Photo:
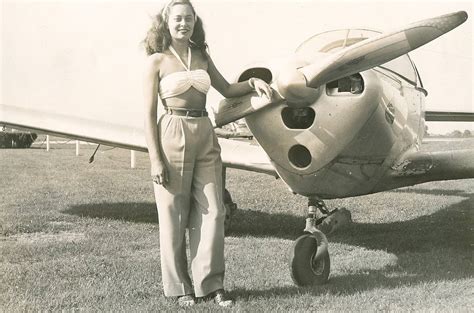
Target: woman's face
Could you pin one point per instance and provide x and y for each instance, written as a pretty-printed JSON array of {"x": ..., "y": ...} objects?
[{"x": 181, "y": 22}]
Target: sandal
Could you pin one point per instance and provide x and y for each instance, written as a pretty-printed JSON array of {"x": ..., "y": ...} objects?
[
  {"x": 186, "y": 300},
  {"x": 219, "y": 297}
]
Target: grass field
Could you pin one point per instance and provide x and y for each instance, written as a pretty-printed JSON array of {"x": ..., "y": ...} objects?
[{"x": 80, "y": 236}]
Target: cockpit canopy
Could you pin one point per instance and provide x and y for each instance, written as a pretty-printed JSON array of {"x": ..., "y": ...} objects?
[{"x": 332, "y": 41}]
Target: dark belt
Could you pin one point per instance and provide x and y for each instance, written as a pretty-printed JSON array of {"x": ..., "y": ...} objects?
[{"x": 187, "y": 113}]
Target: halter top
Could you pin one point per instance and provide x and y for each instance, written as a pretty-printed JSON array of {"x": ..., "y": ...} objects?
[{"x": 177, "y": 83}]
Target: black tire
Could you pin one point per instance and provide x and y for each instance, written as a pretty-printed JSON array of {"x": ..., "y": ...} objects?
[{"x": 304, "y": 271}]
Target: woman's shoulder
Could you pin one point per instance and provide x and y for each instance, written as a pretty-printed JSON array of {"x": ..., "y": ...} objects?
[
  {"x": 156, "y": 57},
  {"x": 154, "y": 60}
]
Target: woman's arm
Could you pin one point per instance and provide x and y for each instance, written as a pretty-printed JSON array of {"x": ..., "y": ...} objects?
[
  {"x": 150, "y": 92},
  {"x": 236, "y": 89}
]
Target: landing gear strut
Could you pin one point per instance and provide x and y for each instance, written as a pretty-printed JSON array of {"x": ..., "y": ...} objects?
[
  {"x": 229, "y": 205},
  {"x": 230, "y": 208},
  {"x": 309, "y": 256}
]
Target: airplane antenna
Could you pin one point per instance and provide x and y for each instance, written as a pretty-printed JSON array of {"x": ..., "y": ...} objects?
[{"x": 91, "y": 159}]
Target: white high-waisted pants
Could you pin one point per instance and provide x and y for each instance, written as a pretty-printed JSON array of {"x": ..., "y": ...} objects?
[{"x": 191, "y": 199}]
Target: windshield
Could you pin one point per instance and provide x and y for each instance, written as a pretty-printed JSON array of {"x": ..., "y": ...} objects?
[{"x": 332, "y": 41}]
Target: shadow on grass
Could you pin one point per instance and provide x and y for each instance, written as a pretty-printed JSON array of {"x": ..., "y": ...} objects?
[
  {"x": 262, "y": 224},
  {"x": 445, "y": 229},
  {"x": 415, "y": 243},
  {"x": 131, "y": 212},
  {"x": 430, "y": 248}
]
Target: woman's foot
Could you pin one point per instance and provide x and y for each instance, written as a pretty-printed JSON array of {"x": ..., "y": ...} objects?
[
  {"x": 219, "y": 297},
  {"x": 186, "y": 300}
]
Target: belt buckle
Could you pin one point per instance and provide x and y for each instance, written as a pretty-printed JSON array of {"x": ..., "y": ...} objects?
[{"x": 193, "y": 113}]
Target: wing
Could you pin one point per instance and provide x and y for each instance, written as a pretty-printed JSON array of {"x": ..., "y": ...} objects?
[
  {"x": 443, "y": 116},
  {"x": 245, "y": 156},
  {"x": 235, "y": 154},
  {"x": 421, "y": 166},
  {"x": 68, "y": 126}
]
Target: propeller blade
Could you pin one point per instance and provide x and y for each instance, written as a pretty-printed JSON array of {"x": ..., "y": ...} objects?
[
  {"x": 380, "y": 49},
  {"x": 232, "y": 109}
]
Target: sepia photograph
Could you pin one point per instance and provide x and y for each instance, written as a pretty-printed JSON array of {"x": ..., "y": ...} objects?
[{"x": 253, "y": 156}]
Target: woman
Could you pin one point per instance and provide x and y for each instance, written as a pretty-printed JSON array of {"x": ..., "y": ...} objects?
[{"x": 184, "y": 153}]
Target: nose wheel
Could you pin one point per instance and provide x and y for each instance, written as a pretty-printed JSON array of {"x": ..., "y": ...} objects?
[
  {"x": 308, "y": 267},
  {"x": 309, "y": 256}
]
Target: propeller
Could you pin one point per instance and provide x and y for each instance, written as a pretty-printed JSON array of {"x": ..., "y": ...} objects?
[{"x": 297, "y": 84}]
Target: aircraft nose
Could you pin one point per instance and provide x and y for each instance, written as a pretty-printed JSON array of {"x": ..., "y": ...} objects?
[{"x": 302, "y": 141}]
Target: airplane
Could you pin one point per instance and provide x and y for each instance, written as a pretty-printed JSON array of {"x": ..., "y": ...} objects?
[{"x": 347, "y": 119}]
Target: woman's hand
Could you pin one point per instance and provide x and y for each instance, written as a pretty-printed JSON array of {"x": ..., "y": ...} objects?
[
  {"x": 159, "y": 173},
  {"x": 261, "y": 87}
]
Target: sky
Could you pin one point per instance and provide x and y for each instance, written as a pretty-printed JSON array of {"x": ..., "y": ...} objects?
[{"x": 90, "y": 63}]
